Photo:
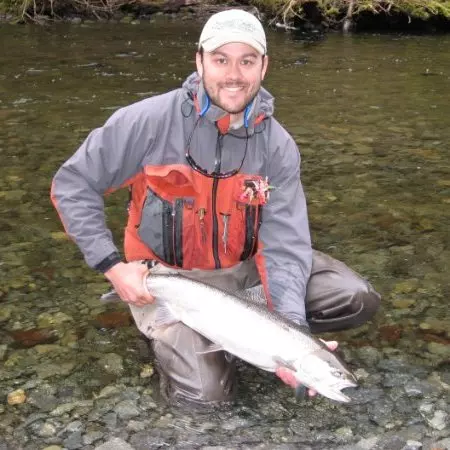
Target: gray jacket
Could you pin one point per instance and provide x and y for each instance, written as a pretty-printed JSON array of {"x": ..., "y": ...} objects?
[{"x": 155, "y": 131}]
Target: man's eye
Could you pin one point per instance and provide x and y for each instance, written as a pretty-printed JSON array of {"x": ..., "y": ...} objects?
[
  {"x": 221, "y": 60},
  {"x": 247, "y": 62}
]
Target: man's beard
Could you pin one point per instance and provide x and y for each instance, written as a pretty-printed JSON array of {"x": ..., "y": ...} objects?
[{"x": 215, "y": 99}]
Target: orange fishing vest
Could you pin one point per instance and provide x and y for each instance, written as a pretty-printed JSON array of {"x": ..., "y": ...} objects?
[{"x": 187, "y": 220}]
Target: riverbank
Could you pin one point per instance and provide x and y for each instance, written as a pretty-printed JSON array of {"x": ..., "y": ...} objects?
[
  {"x": 94, "y": 388},
  {"x": 428, "y": 16}
]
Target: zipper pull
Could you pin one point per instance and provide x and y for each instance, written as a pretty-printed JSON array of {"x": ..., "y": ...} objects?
[
  {"x": 201, "y": 216},
  {"x": 225, "y": 218}
]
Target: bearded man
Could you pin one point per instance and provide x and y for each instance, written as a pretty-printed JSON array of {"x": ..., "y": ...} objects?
[{"x": 215, "y": 192}]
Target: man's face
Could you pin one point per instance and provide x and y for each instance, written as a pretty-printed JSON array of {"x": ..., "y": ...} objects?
[{"x": 232, "y": 75}]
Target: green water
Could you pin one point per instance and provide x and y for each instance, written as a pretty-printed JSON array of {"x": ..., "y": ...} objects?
[{"x": 370, "y": 113}]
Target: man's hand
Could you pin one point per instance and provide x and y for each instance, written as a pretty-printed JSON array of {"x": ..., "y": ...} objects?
[
  {"x": 288, "y": 377},
  {"x": 128, "y": 281}
]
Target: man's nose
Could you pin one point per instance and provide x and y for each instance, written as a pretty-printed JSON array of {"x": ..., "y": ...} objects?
[{"x": 234, "y": 70}]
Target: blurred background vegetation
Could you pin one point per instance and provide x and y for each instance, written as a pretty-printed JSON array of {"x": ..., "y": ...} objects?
[{"x": 284, "y": 13}]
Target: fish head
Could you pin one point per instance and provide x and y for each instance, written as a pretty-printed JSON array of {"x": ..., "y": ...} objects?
[{"x": 324, "y": 372}]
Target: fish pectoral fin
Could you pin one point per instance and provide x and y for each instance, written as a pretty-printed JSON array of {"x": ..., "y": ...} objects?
[
  {"x": 110, "y": 296},
  {"x": 283, "y": 363},
  {"x": 211, "y": 349}
]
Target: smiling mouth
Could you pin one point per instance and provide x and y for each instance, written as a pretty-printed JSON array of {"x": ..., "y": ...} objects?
[{"x": 233, "y": 88}]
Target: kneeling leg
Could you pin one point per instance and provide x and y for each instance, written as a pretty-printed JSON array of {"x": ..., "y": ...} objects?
[{"x": 337, "y": 298}]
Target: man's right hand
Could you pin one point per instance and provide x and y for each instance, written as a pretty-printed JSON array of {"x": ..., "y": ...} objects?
[{"x": 128, "y": 281}]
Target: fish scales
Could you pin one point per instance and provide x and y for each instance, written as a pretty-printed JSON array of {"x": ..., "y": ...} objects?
[{"x": 249, "y": 331}]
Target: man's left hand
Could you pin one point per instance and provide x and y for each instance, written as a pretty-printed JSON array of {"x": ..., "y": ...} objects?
[{"x": 288, "y": 375}]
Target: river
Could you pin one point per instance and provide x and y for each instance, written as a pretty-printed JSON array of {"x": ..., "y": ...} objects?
[{"x": 371, "y": 115}]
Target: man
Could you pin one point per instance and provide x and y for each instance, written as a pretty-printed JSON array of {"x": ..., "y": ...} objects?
[{"x": 215, "y": 192}]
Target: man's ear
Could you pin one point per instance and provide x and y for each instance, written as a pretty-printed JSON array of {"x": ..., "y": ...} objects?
[
  {"x": 264, "y": 67},
  {"x": 199, "y": 63}
]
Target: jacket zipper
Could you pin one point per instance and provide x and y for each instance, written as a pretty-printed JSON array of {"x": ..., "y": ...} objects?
[{"x": 215, "y": 233}]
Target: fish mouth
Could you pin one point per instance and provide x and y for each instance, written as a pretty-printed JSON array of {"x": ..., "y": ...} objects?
[{"x": 334, "y": 392}]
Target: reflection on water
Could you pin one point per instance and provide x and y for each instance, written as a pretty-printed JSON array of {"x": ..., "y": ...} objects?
[{"x": 370, "y": 113}]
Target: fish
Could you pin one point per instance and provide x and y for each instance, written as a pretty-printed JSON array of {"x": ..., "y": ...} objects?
[{"x": 248, "y": 330}]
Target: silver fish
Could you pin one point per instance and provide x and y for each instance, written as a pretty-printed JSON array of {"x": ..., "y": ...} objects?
[{"x": 249, "y": 331}]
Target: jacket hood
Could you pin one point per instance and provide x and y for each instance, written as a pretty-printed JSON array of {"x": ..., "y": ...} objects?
[{"x": 262, "y": 105}]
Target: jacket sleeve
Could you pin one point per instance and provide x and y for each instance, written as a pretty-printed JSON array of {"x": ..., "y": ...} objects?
[
  {"x": 107, "y": 159},
  {"x": 285, "y": 236}
]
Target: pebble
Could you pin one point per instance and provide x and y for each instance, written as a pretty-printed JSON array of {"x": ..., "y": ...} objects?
[
  {"x": 16, "y": 397},
  {"x": 439, "y": 421},
  {"x": 115, "y": 444}
]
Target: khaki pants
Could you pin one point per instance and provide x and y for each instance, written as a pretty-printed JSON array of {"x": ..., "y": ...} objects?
[{"x": 337, "y": 298}]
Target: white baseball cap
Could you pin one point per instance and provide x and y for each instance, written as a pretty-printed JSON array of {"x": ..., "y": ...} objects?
[{"x": 233, "y": 25}]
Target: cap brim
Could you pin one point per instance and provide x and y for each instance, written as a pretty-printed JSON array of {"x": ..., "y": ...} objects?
[{"x": 217, "y": 41}]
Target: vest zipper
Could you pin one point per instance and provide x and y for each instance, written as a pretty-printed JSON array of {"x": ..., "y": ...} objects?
[
  {"x": 168, "y": 233},
  {"x": 215, "y": 234},
  {"x": 249, "y": 231},
  {"x": 178, "y": 232}
]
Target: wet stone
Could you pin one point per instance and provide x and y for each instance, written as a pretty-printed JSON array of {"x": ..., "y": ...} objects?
[
  {"x": 439, "y": 421},
  {"x": 110, "y": 420},
  {"x": 413, "y": 445},
  {"x": 112, "y": 363},
  {"x": 417, "y": 388},
  {"x": 145, "y": 441},
  {"x": 115, "y": 444},
  {"x": 47, "y": 370},
  {"x": 395, "y": 380},
  {"x": 127, "y": 409},
  {"x": 73, "y": 441},
  {"x": 43, "y": 401},
  {"x": 439, "y": 349},
  {"x": 135, "y": 425},
  {"x": 380, "y": 412},
  {"x": 366, "y": 395},
  {"x": 390, "y": 443},
  {"x": 370, "y": 356},
  {"x": 76, "y": 425},
  {"x": 43, "y": 429},
  {"x": 92, "y": 436}
]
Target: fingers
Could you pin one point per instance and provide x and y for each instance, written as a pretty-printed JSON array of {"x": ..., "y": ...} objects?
[
  {"x": 287, "y": 376},
  {"x": 128, "y": 280},
  {"x": 332, "y": 345}
]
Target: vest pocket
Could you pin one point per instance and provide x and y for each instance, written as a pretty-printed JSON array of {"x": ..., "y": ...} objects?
[
  {"x": 252, "y": 224},
  {"x": 161, "y": 228}
]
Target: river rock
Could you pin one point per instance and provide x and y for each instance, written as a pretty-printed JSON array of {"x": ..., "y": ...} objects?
[
  {"x": 439, "y": 349},
  {"x": 115, "y": 444},
  {"x": 112, "y": 363},
  {"x": 127, "y": 409},
  {"x": 46, "y": 430},
  {"x": 439, "y": 421},
  {"x": 47, "y": 370},
  {"x": 92, "y": 436},
  {"x": 5, "y": 313},
  {"x": 3, "y": 351},
  {"x": 73, "y": 441}
]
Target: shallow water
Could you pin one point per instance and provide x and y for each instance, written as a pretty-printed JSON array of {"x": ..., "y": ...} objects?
[{"x": 370, "y": 114}]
